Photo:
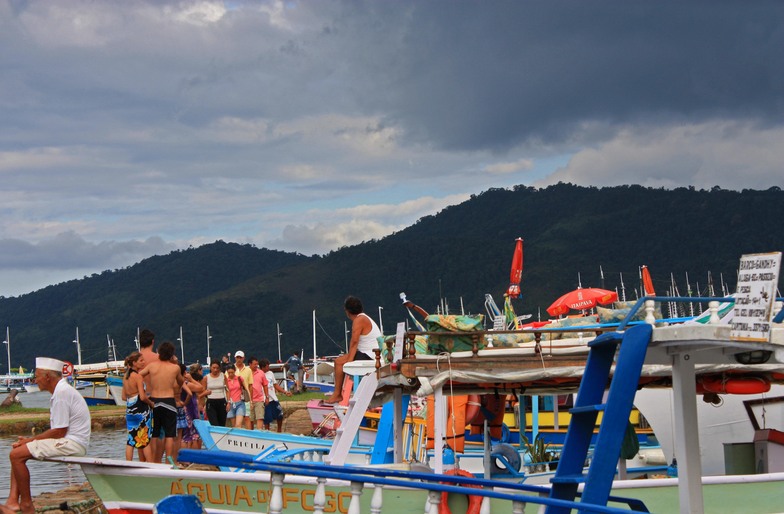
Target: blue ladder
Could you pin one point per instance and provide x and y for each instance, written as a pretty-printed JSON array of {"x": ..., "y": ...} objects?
[{"x": 598, "y": 480}]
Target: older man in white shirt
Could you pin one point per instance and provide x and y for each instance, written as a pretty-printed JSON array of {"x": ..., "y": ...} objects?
[{"x": 69, "y": 433}]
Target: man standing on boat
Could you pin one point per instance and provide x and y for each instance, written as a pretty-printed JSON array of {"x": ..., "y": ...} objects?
[
  {"x": 364, "y": 338},
  {"x": 68, "y": 435},
  {"x": 297, "y": 371}
]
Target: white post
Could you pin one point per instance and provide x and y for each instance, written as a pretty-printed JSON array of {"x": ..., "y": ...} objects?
[
  {"x": 208, "y": 345},
  {"x": 182, "y": 347},
  {"x": 78, "y": 347},
  {"x": 315, "y": 366},
  {"x": 277, "y": 327},
  {"x": 439, "y": 427},
  {"x": 7, "y": 342},
  {"x": 686, "y": 434}
]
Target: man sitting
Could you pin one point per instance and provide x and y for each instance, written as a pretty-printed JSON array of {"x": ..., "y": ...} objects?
[{"x": 68, "y": 435}]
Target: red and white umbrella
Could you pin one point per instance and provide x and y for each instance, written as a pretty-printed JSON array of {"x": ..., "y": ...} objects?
[{"x": 581, "y": 299}]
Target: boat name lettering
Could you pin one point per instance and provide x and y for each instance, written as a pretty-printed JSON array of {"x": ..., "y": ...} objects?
[
  {"x": 244, "y": 443},
  {"x": 242, "y": 495}
]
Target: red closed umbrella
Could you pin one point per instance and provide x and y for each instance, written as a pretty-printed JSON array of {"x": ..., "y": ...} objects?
[
  {"x": 581, "y": 299},
  {"x": 647, "y": 282},
  {"x": 517, "y": 271}
]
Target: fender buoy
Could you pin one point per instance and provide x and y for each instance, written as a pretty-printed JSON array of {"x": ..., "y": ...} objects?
[
  {"x": 736, "y": 385},
  {"x": 474, "y": 501},
  {"x": 68, "y": 369},
  {"x": 508, "y": 452}
]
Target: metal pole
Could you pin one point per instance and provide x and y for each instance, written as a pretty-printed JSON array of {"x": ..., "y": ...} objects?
[
  {"x": 8, "y": 344},
  {"x": 280, "y": 357},
  {"x": 315, "y": 366},
  {"x": 78, "y": 347},
  {"x": 208, "y": 345},
  {"x": 380, "y": 319},
  {"x": 182, "y": 347}
]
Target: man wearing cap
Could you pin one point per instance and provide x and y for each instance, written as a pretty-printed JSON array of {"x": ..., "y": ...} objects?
[
  {"x": 246, "y": 377},
  {"x": 68, "y": 435}
]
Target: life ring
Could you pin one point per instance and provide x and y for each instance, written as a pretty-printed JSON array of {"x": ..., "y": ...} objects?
[
  {"x": 474, "y": 501},
  {"x": 736, "y": 385},
  {"x": 68, "y": 369}
]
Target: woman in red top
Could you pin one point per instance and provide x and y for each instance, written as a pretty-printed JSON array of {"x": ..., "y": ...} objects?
[{"x": 235, "y": 408}]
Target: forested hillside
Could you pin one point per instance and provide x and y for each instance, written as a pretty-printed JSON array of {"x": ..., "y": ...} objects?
[{"x": 459, "y": 254}]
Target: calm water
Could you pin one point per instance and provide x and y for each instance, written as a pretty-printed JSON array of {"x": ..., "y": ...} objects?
[{"x": 49, "y": 476}]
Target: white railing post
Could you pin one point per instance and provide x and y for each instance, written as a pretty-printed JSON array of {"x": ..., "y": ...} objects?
[
  {"x": 433, "y": 502},
  {"x": 356, "y": 493},
  {"x": 714, "y": 312},
  {"x": 649, "y": 307},
  {"x": 485, "y": 507},
  {"x": 276, "y": 500},
  {"x": 377, "y": 501},
  {"x": 320, "y": 497}
]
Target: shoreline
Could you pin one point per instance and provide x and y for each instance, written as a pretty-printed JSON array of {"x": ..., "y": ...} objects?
[{"x": 113, "y": 418}]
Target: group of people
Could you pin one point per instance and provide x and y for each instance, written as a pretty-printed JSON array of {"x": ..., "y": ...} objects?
[{"x": 163, "y": 398}]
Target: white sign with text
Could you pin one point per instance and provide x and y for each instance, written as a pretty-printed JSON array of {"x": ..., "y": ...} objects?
[{"x": 758, "y": 276}]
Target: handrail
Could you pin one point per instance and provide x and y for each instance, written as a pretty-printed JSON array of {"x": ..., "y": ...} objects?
[
  {"x": 405, "y": 479},
  {"x": 676, "y": 299}
]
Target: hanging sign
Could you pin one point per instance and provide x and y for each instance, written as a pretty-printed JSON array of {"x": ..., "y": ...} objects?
[{"x": 758, "y": 276}]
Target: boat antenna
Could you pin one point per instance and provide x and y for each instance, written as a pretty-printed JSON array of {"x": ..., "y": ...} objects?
[
  {"x": 688, "y": 291},
  {"x": 601, "y": 275},
  {"x": 724, "y": 291},
  {"x": 711, "y": 291},
  {"x": 623, "y": 289}
]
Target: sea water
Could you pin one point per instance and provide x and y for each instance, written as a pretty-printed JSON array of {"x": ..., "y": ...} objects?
[{"x": 51, "y": 476}]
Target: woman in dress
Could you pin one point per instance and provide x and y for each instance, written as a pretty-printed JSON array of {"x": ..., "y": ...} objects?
[
  {"x": 215, "y": 384},
  {"x": 138, "y": 409},
  {"x": 235, "y": 409}
]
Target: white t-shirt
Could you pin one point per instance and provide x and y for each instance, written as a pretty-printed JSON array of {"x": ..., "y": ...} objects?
[
  {"x": 69, "y": 410},
  {"x": 367, "y": 342},
  {"x": 272, "y": 394}
]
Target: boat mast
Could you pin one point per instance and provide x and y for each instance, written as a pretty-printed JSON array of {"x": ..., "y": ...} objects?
[
  {"x": 315, "y": 356},
  {"x": 277, "y": 327},
  {"x": 182, "y": 346},
  {"x": 208, "y": 345},
  {"x": 7, "y": 342},
  {"x": 78, "y": 347}
]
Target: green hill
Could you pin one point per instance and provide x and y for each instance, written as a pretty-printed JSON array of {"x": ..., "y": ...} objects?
[{"x": 459, "y": 254}]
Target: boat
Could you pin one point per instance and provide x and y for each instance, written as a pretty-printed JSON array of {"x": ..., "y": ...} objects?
[
  {"x": 14, "y": 382},
  {"x": 648, "y": 355}
]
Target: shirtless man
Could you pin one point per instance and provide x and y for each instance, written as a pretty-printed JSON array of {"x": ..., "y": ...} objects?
[
  {"x": 165, "y": 384},
  {"x": 364, "y": 332},
  {"x": 146, "y": 343}
]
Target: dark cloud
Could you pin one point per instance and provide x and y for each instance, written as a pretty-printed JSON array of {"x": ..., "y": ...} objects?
[{"x": 477, "y": 75}]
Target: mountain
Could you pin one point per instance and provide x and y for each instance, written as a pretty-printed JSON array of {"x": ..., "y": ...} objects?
[{"x": 459, "y": 254}]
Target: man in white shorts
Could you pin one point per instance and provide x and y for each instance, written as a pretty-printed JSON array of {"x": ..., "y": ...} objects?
[{"x": 69, "y": 433}]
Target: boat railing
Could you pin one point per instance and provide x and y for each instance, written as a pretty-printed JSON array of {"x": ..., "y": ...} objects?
[{"x": 377, "y": 479}]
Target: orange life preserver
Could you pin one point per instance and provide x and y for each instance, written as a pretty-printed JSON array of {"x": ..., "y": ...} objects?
[
  {"x": 490, "y": 407},
  {"x": 455, "y": 432},
  {"x": 474, "y": 501},
  {"x": 736, "y": 385}
]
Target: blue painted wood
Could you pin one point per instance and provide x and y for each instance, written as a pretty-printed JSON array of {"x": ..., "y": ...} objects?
[
  {"x": 381, "y": 453},
  {"x": 634, "y": 345}
]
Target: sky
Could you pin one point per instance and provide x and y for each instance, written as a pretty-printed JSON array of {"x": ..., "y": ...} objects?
[{"x": 130, "y": 129}]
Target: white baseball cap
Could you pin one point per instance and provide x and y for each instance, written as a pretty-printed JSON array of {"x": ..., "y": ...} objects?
[
  {"x": 47, "y": 363},
  {"x": 239, "y": 353}
]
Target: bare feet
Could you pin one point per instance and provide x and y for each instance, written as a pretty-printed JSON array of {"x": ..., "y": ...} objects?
[
  {"x": 13, "y": 509},
  {"x": 334, "y": 399}
]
